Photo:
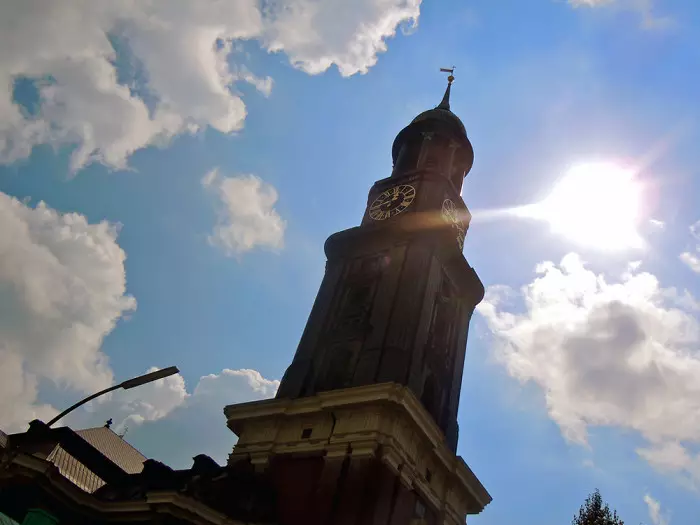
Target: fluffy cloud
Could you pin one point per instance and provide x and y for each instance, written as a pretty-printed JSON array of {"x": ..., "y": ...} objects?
[
  {"x": 62, "y": 289},
  {"x": 156, "y": 400},
  {"x": 149, "y": 402},
  {"x": 204, "y": 410},
  {"x": 316, "y": 34},
  {"x": 691, "y": 257},
  {"x": 234, "y": 386},
  {"x": 247, "y": 218},
  {"x": 655, "y": 511},
  {"x": 114, "y": 76},
  {"x": 165, "y": 407},
  {"x": 622, "y": 354}
]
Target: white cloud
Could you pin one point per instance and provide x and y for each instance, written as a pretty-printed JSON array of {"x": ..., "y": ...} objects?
[
  {"x": 621, "y": 354},
  {"x": 644, "y": 8},
  {"x": 654, "y": 508},
  {"x": 157, "y": 400},
  {"x": 180, "y": 59},
  {"x": 149, "y": 402},
  {"x": 62, "y": 290},
  {"x": 316, "y": 34},
  {"x": 205, "y": 409},
  {"x": 166, "y": 408},
  {"x": 692, "y": 260},
  {"x": 247, "y": 217},
  {"x": 691, "y": 257},
  {"x": 234, "y": 386}
]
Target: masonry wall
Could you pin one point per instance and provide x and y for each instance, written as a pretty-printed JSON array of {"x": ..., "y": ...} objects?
[{"x": 344, "y": 490}]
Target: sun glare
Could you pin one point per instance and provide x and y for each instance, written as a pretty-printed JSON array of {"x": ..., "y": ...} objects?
[{"x": 596, "y": 205}]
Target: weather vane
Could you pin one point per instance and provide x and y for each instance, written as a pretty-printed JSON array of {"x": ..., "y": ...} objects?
[{"x": 451, "y": 71}]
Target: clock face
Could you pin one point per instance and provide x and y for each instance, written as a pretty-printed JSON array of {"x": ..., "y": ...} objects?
[
  {"x": 392, "y": 202},
  {"x": 450, "y": 215},
  {"x": 449, "y": 211}
]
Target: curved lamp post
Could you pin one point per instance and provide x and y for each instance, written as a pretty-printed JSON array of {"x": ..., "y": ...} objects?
[
  {"x": 126, "y": 385},
  {"x": 129, "y": 383}
]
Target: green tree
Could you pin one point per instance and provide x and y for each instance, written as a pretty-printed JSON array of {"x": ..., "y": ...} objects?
[{"x": 595, "y": 512}]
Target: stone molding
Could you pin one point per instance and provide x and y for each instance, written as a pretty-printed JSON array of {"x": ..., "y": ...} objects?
[{"x": 381, "y": 420}]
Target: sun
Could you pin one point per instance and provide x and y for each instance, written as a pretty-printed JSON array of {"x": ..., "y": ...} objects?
[{"x": 595, "y": 204}]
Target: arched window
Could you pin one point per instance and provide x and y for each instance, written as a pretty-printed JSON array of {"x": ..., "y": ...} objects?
[
  {"x": 407, "y": 159},
  {"x": 458, "y": 169}
]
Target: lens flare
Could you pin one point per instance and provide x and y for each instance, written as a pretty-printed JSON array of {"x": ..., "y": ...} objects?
[{"x": 594, "y": 204}]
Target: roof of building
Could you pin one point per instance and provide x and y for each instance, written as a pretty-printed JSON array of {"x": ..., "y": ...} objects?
[
  {"x": 75, "y": 471},
  {"x": 443, "y": 113},
  {"x": 111, "y": 445},
  {"x": 115, "y": 448}
]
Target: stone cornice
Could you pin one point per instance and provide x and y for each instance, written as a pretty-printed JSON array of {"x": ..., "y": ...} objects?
[{"x": 383, "y": 420}]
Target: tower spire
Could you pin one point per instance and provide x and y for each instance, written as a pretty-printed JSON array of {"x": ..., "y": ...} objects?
[{"x": 445, "y": 103}]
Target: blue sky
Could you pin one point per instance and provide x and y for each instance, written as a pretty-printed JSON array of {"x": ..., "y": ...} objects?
[{"x": 193, "y": 159}]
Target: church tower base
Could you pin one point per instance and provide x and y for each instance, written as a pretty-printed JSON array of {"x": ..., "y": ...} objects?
[{"x": 363, "y": 455}]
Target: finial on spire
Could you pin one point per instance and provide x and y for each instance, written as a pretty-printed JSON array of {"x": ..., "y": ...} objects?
[{"x": 445, "y": 103}]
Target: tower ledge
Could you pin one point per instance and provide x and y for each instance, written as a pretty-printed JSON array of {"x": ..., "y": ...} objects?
[{"x": 383, "y": 422}]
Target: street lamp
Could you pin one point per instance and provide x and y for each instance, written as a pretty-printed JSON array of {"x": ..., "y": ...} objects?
[
  {"x": 126, "y": 385},
  {"x": 129, "y": 383},
  {"x": 15, "y": 450}
]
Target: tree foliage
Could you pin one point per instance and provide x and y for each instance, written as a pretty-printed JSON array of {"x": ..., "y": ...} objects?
[{"x": 595, "y": 512}]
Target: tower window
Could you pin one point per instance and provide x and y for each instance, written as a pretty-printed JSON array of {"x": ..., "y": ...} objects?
[
  {"x": 408, "y": 157},
  {"x": 306, "y": 433},
  {"x": 428, "y": 395},
  {"x": 354, "y": 307}
]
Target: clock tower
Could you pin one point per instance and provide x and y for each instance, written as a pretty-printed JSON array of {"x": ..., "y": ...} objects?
[{"x": 364, "y": 426}]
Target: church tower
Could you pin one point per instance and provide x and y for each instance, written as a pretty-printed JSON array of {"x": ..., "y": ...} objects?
[{"x": 364, "y": 426}]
